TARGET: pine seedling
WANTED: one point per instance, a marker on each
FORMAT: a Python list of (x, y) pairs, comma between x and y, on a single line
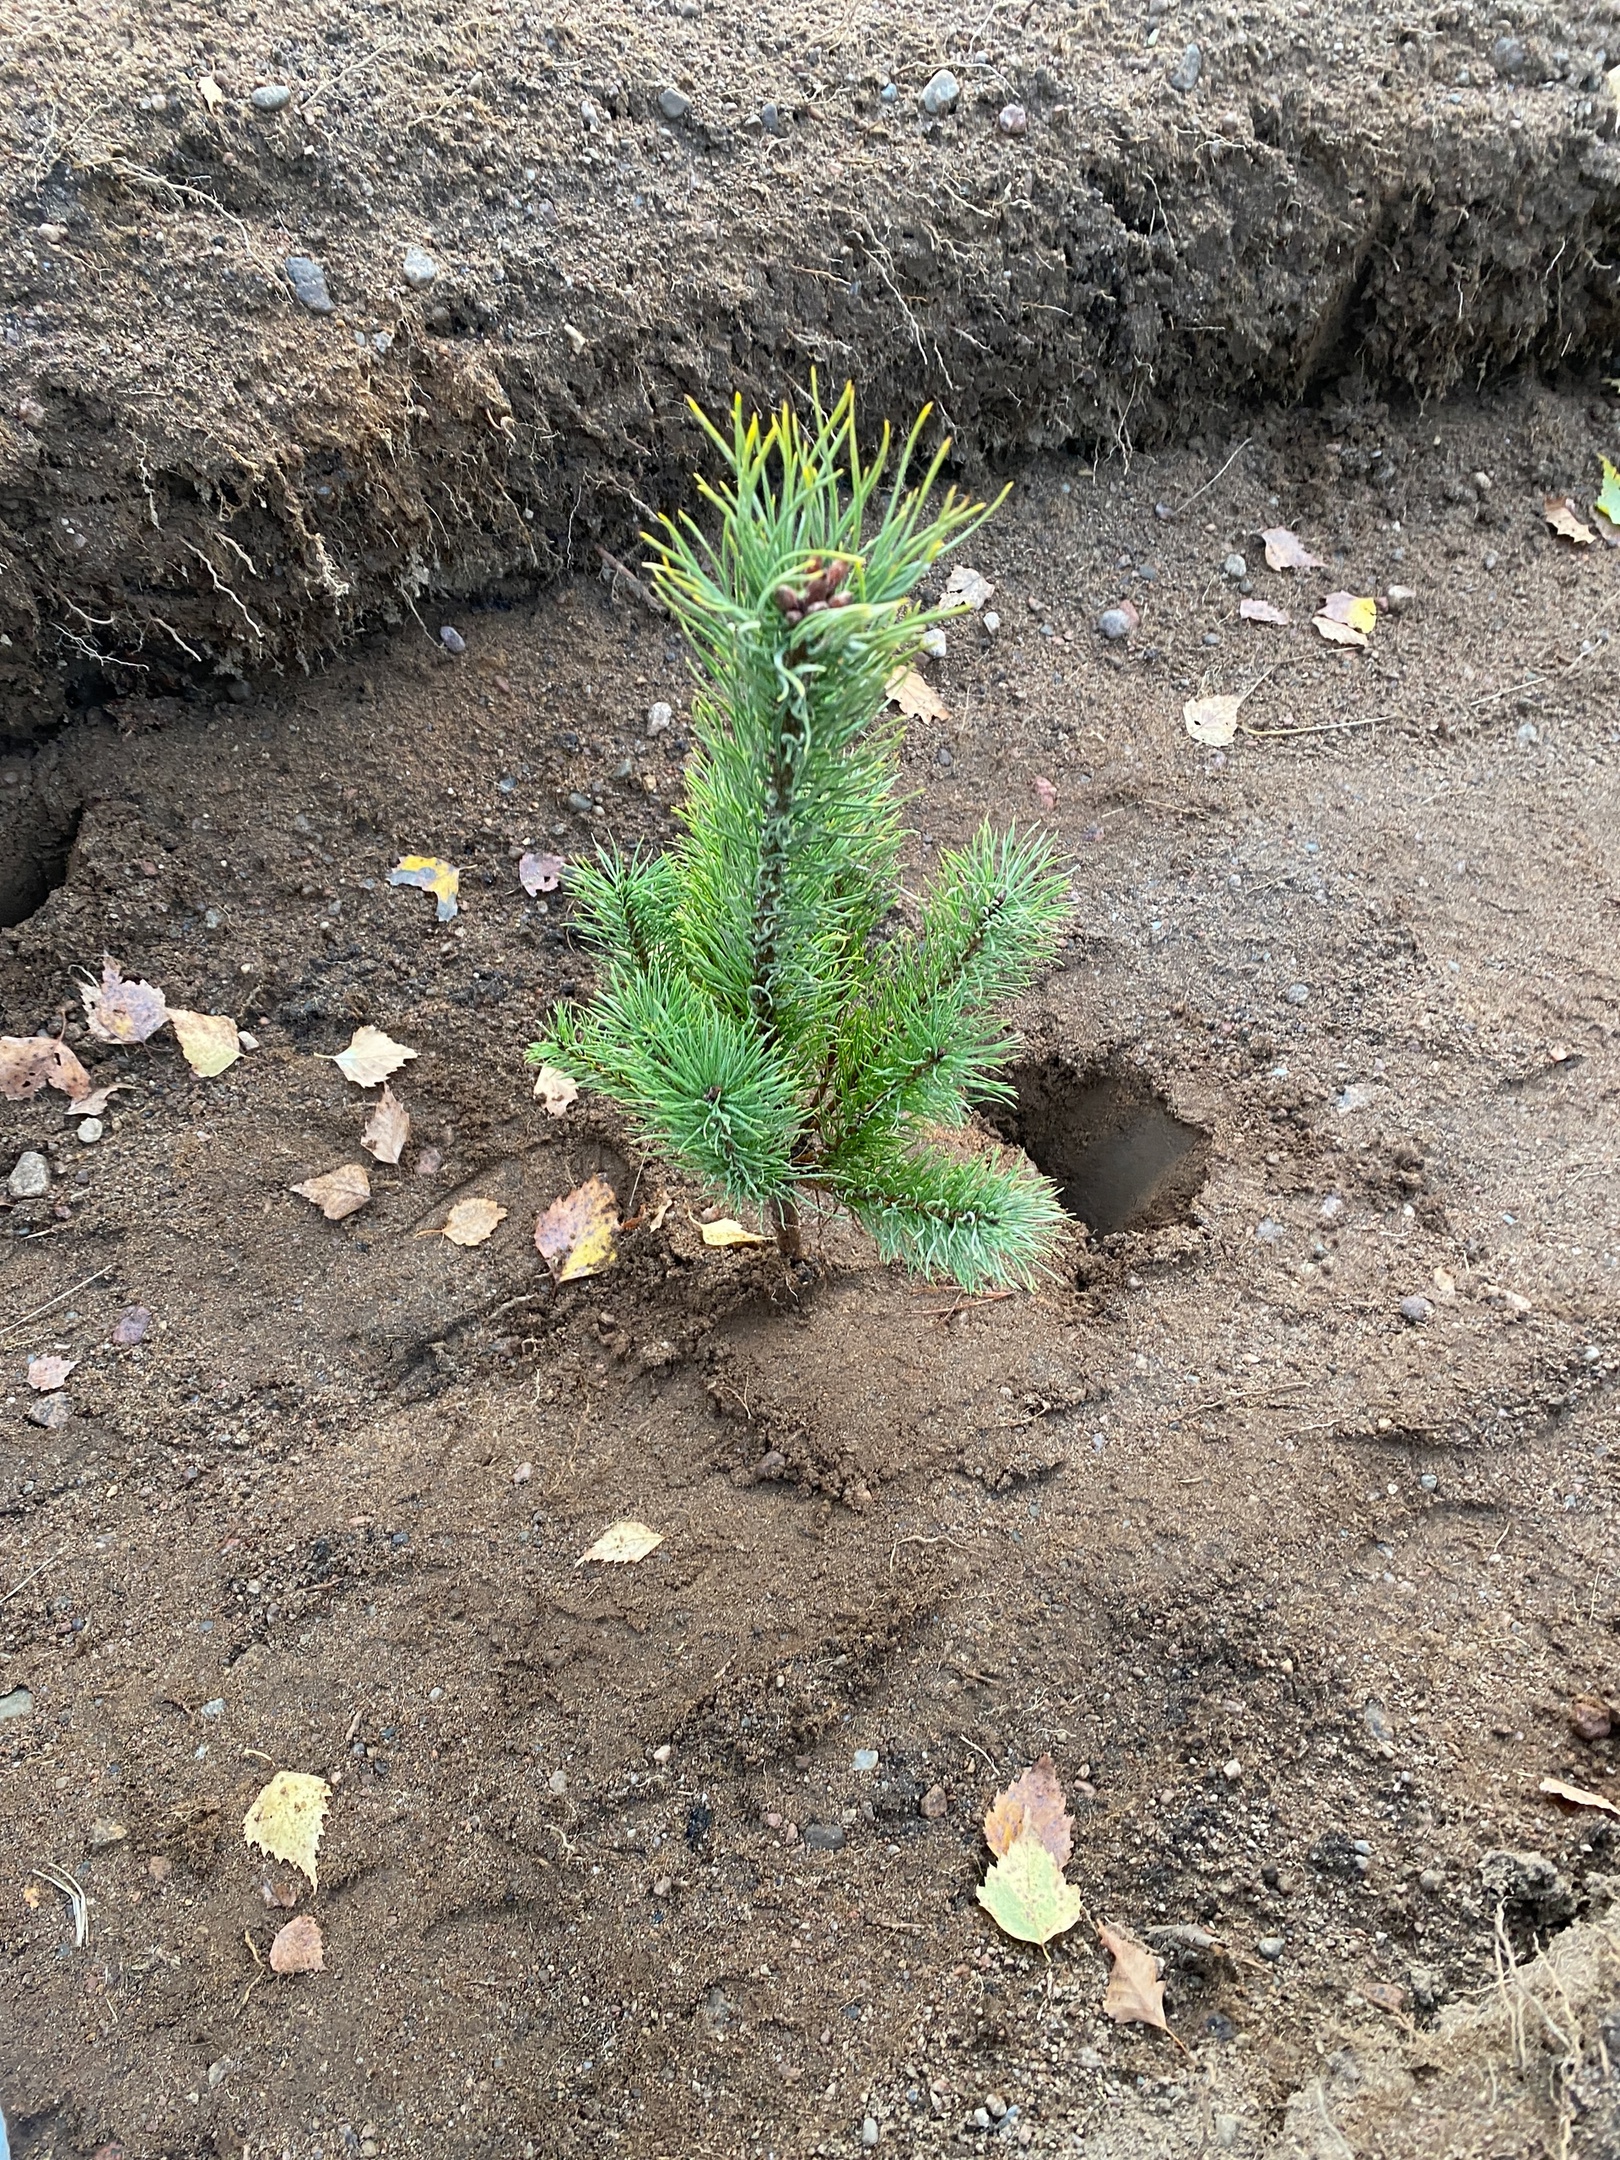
[(764, 1015)]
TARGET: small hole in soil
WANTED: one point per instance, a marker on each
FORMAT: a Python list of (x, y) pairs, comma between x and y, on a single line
[(34, 851), (1120, 1158)]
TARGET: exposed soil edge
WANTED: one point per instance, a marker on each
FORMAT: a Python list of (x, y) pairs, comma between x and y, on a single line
[(1140, 280)]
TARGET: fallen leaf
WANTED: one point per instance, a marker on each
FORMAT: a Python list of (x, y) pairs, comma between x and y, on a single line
[(48, 1373), (1561, 515), (121, 1012), (1285, 551), (212, 95), (433, 875), (621, 1543), (555, 1089), (1211, 720), (133, 1327), (1338, 633), (31, 1062), (1607, 507), (388, 1128), (340, 1192), (208, 1041), (967, 588), (728, 1232), (1577, 1795), (469, 1222), (95, 1103), (1345, 618), (915, 698), (298, 1947), (1263, 611), (1135, 1993), (1025, 1893), (286, 1819), (575, 1235), (540, 873), (370, 1057), (1044, 792), (284, 1895), (1033, 1803)]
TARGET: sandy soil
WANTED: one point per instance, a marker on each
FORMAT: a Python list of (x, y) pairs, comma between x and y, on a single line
[(1297, 1592)]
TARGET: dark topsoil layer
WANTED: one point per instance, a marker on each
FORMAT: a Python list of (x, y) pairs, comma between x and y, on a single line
[(197, 473)]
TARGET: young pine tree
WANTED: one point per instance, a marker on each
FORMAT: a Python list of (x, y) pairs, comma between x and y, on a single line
[(761, 1015)]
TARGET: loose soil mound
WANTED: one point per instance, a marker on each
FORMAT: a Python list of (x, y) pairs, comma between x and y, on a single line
[(201, 476)]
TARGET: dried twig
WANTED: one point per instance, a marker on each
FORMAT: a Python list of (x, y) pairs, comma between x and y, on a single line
[(74, 1893)]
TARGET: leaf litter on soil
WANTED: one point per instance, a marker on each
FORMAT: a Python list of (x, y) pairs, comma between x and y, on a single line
[(574, 1236), (339, 1192), (433, 874), (555, 1089), (1286, 551), (1345, 618), (371, 1056), (31, 1062), (1030, 1832), (1263, 611), (1135, 1993), (540, 873), (470, 1222), (1032, 1802), (622, 1544), (1565, 520), (388, 1128), (967, 588), (117, 1011), (728, 1232), (209, 1042), (287, 1819), (916, 698)]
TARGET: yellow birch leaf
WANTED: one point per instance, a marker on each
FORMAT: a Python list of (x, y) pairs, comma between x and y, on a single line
[(433, 875), (340, 1192), (208, 1041), (727, 1232), (575, 1235), (287, 1818), (1211, 720), (1025, 1893), (621, 1543), (371, 1056), (915, 698), (469, 1222)]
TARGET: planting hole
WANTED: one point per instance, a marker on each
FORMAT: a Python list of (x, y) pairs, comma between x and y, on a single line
[(36, 840), (1119, 1157)]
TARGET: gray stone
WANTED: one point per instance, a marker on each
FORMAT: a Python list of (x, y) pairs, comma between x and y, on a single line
[(1528, 1879), (51, 1412), (940, 94), (1400, 598), (270, 97), (1013, 120), (1184, 75), (659, 718), (581, 804), (31, 1179), (90, 1130), (420, 269), (869, 2132), (890, 93), (451, 638), (1510, 57), (866, 1758), (308, 281), (674, 104), (1429, 1481), (1379, 1729), (1299, 993), (824, 1837), (1235, 567), (1114, 624), (1271, 1947), (1415, 1310), (19, 1703), (771, 120), (1432, 1879)]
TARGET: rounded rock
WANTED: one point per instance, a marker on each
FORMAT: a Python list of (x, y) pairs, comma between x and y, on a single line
[(1184, 75), (420, 269), (940, 94), (451, 638), (90, 1130), (991, 621), (270, 97), (31, 1179), (1114, 624), (1235, 567), (890, 93), (770, 119), (933, 643), (869, 2132), (1299, 993), (1415, 1310), (824, 1837), (1271, 1947), (659, 718), (674, 104), (1013, 120), (308, 281)]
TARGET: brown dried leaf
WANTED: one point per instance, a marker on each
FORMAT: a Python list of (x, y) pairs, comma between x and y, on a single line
[(470, 1222), (915, 698), (1135, 1993), (1351, 611), (298, 1947), (340, 1192), (1263, 611), (1577, 1795), (371, 1056), (1285, 551), (1032, 1802), (388, 1128), (575, 1235), (967, 588), (94, 1104), (48, 1373), (208, 1041), (621, 1544), (31, 1062), (1562, 516), (555, 1089), (121, 1012), (540, 873)]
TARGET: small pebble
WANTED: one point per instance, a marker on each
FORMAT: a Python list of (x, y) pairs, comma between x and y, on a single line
[(674, 104), (1235, 567), (1269, 1232), (1271, 1947), (1378, 1725), (216, 1708), (659, 718), (451, 639), (1526, 734), (270, 97), (1400, 598), (53, 236), (51, 1412), (90, 1130), (31, 1179), (1232, 1771), (866, 1758), (770, 119), (1432, 1879), (824, 1837), (933, 643), (890, 93), (580, 804), (1429, 1482), (420, 269), (308, 281), (869, 2132), (1114, 624), (1184, 75), (1331, 1209), (991, 621), (1415, 1310), (522, 1474), (1013, 120), (933, 1803), (1299, 993), (662, 1753), (1510, 56), (940, 94)]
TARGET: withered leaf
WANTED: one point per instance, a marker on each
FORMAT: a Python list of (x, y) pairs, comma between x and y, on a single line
[(31, 1062), (1286, 551), (1025, 1893), (388, 1128), (339, 1192), (48, 1373), (1345, 618), (915, 698), (1212, 720), (621, 1544), (575, 1235), (371, 1056), (1032, 1802), (1562, 516), (967, 588), (1135, 1993), (1577, 1795), (1263, 611), (434, 875), (93, 1104), (726, 1232), (538, 873), (287, 1819), (208, 1041), (117, 1011), (298, 1947), (555, 1089), (470, 1222)]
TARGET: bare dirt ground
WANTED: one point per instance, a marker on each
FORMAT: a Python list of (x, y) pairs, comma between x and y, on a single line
[(1298, 1592)]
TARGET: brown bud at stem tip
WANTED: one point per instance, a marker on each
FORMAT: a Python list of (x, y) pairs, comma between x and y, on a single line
[(787, 599)]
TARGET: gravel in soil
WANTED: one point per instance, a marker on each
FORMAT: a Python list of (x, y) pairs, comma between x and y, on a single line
[(1298, 1585)]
